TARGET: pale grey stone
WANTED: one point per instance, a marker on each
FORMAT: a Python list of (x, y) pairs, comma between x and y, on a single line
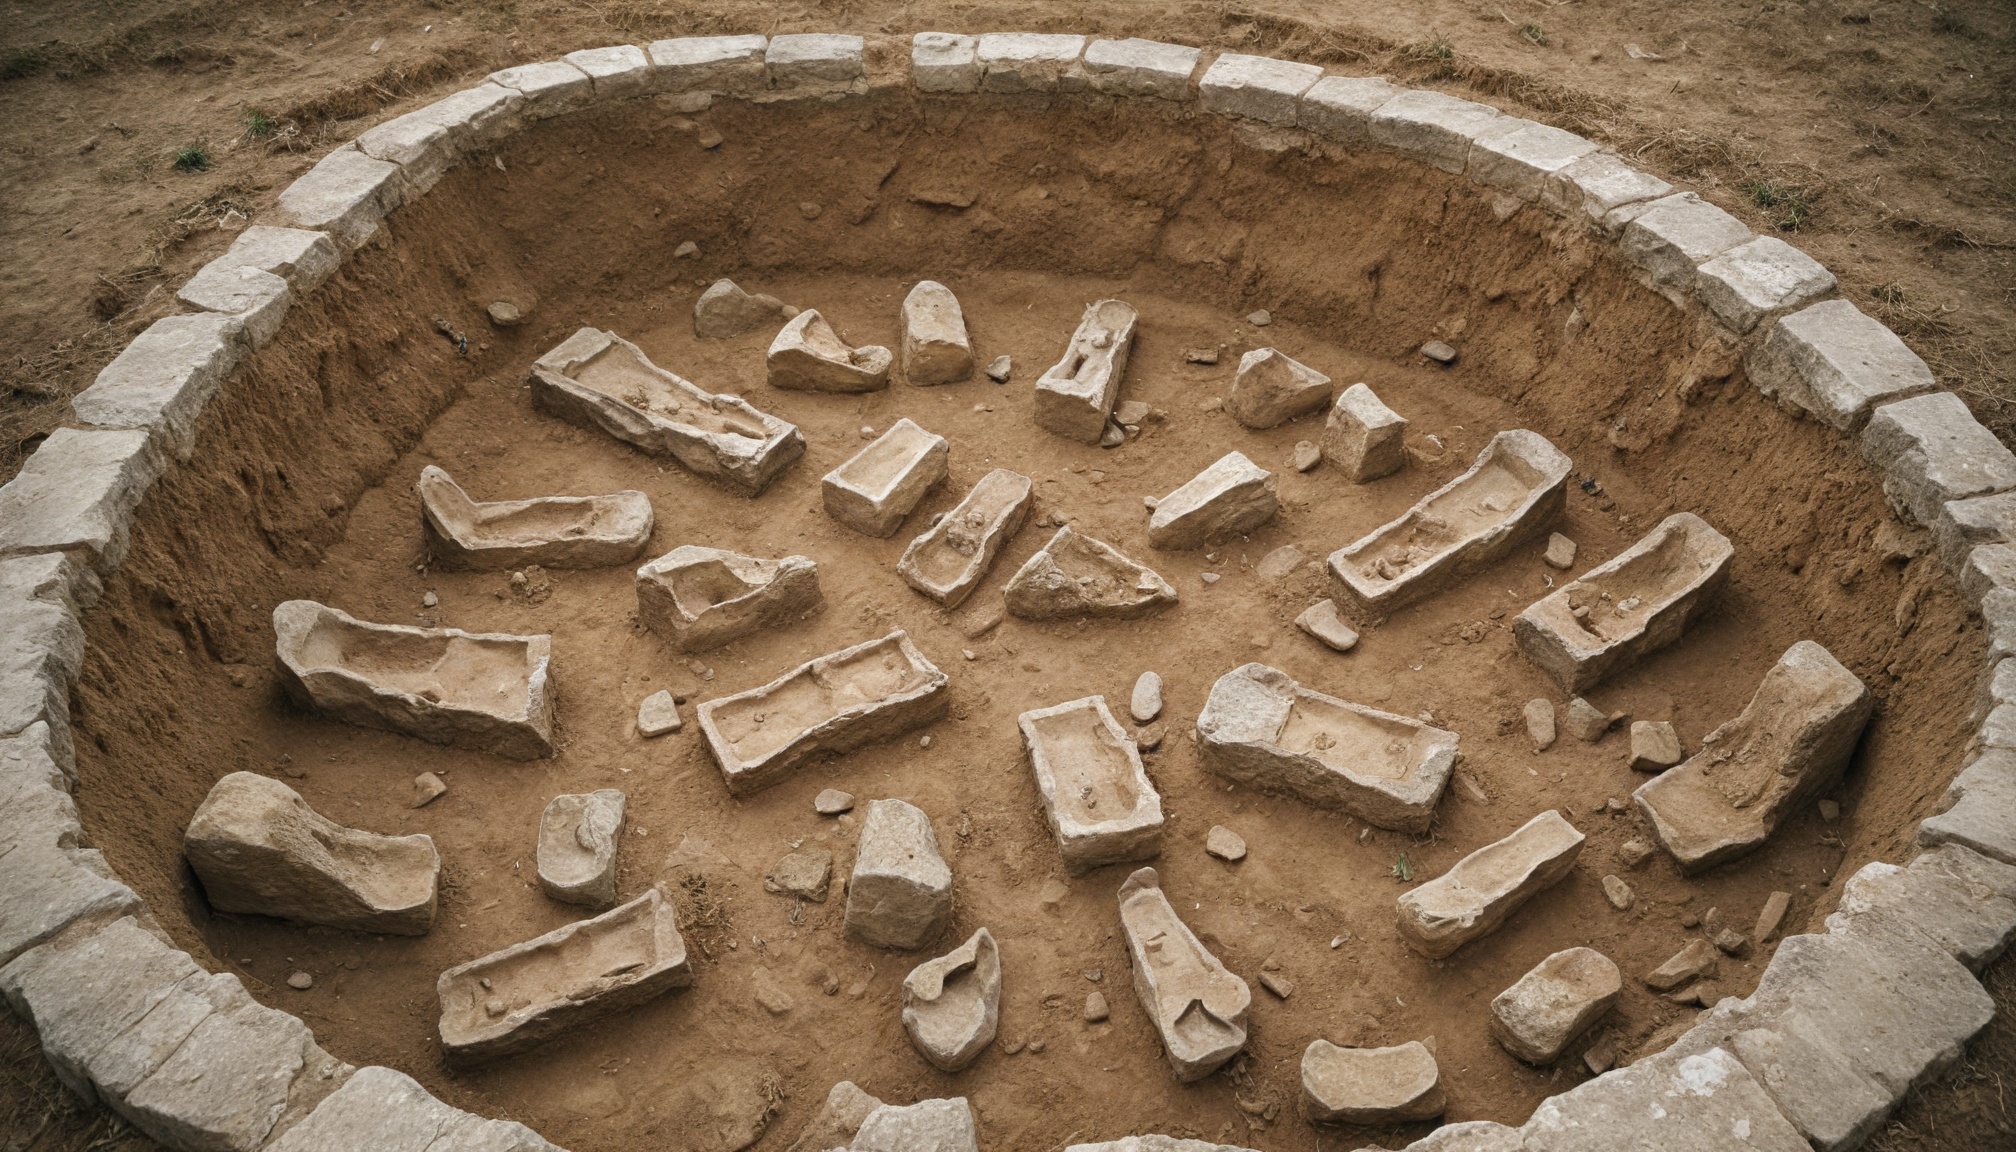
[(1225, 844), (1231, 497), (1588, 723), (345, 194), (1030, 62), (1560, 552), (952, 1004), (1474, 897), (806, 874), (839, 1117), (1703, 1102), (698, 599), (1520, 159), (724, 310), (386, 1111), (1397, 1085), (1320, 621), (1758, 279), (1280, 564), (809, 356), (1966, 524), (1964, 901), (815, 61), (1540, 1015), (1837, 363), (618, 71), (161, 381), (549, 87), (1931, 450), (878, 486), (945, 62), (1145, 702), (426, 142), (1136, 67), (302, 258), (935, 348), (1256, 87), (1540, 726), (832, 802), (51, 880), (78, 492), (1196, 1005), (550, 531), (1979, 809), (658, 715), (1655, 746), (1595, 187), (229, 1082), (732, 64), (900, 892), (42, 647), (926, 1126), (1340, 108), (1363, 437), (252, 301), (1074, 397), (949, 560), (1097, 797), (1673, 236), (1436, 128), (1076, 575), (578, 835), (1272, 388), (1988, 567), (1155, 1144)]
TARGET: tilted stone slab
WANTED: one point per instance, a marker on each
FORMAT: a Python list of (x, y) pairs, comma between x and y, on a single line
[(618, 71), (1930, 450), (1540, 1015), (550, 531), (952, 1004), (1622, 611), (1474, 897), (1362, 437), (1074, 397), (1272, 388), (697, 599), (1136, 67), (524, 995), (948, 562), (603, 382), (1256, 87), (1396, 1085), (345, 194), (1520, 159), (1197, 1006), (926, 1126), (878, 486), (577, 847), (1979, 809), (1230, 498), (1596, 187), (936, 349), (259, 848), (386, 1111), (1834, 361), (427, 141), (1759, 279), (1433, 127), (807, 355), (1340, 108), (487, 692), (1963, 901), (1101, 806), (161, 382), (78, 492), (835, 703), (1704, 1102), (252, 300), (730, 64), (1516, 490), (1261, 728), (549, 88), (1789, 745), (900, 892), (51, 880), (1030, 62), (945, 62), (1671, 237), (1075, 575), (815, 62)]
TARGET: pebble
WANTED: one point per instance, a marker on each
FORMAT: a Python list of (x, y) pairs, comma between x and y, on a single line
[(969, 654), (1634, 852), (709, 138), (1731, 942), (867, 432), (1277, 984), (1321, 621), (832, 802), (1224, 843), (1209, 577), (1113, 436), (657, 715), (1131, 412), (1095, 1007), (505, 314), (1037, 1046), (429, 600), (1307, 456), (1213, 404), (1588, 723), (923, 741), (999, 370), (427, 788), (300, 981), (1260, 318), (1539, 715), (1618, 893), (1696, 959), (686, 248), (1560, 552), (1830, 811), (1151, 502), (1602, 1055), (1281, 563), (1201, 355), (1150, 738), (1439, 352), (1146, 703)]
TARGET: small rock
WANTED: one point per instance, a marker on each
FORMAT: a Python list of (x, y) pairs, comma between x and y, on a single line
[(1829, 811), (1772, 917), (1560, 552), (1113, 436), (1618, 893), (1371, 1085), (1632, 853), (924, 741), (1279, 564), (1212, 404), (709, 139), (1731, 942), (1557, 1001), (1150, 738), (578, 839), (427, 788), (1439, 352), (999, 370), (1655, 746), (1601, 1056), (1131, 412), (1307, 456), (1146, 703), (1095, 1007), (1616, 805), (1037, 1046), (657, 715), (300, 981), (1540, 723), (1321, 621), (952, 1004), (1151, 502), (686, 248), (1224, 843), (1278, 984), (1209, 577), (1690, 920), (769, 993), (725, 310), (1201, 355), (832, 802), (900, 893), (1588, 723), (809, 209), (867, 432), (430, 600), (1696, 959), (1260, 318), (505, 314), (804, 874)]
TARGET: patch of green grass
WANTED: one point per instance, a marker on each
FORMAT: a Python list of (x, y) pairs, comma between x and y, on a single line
[(192, 158), (23, 63), (1535, 33), (258, 124), (1437, 49), (1786, 205), (1403, 870)]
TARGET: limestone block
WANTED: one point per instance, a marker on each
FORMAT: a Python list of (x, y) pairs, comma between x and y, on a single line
[(230, 1081), (1673, 236), (1363, 437), (1595, 187), (1789, 745), (302, 258), (1985, 569), (947, 562), (1521, 159), (1101, 806), (1075, 575), (1622, 611), (945, 62), (1979, 809), (1538, 1017), (162, 380), (51, 880), (698, 599), (1759, 279), (832, 704), (815, 61), (427, 141), (1837, 363), (1433, 127), (1030, 62), (345, 194), (603, 382), (550, 531), (1136, 67), (808, 356), (926, 1126), (1930, 450), (78, 492), (878, 486), (387, 1111), (724, 311), (839, 1117), (42, 647), (1230, 498), (259, 848), (487, 692), (1964, 901), (1256, 87), (252, 301), (1197, 1006), (1261, 728), (1271, 388), (935, 347), (900, 892), (1397, 1085), (1965, 525), (952, 1005), (1705, 1102), (1341, 107), (1074, 397), (577, 847), (1516, 490), (1475, 896), (618, 71), (549, 87), (733, 64)]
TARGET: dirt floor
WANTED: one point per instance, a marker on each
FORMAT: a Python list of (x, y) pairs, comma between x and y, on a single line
[(335, 423)]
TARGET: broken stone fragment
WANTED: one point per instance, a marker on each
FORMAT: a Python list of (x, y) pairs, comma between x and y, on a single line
[(874, 691), (1231, 497), (1260, 727), (1474, 897), (1321, 621), (808, 356), (1632, 853), (1618, 893), (1076, 575), (1306, 456), (1557, 1001), (725, 310), (1280, 564), (926, 1126), (1197, 1006), (1588, 723), (577, 847), (832, 802), (1539, 716), (952, 1005), (1697, 959), (947, 562), (1790, 743), (697, 599), (1225, 844), (1272, 388), (1620, 612), (481, 691), (576, 974), (427, 788), (1095, 1008), (1396, 1085), (1074, 397), (900, 893), (878, 486), (1145, 704), (657, 715), (1731, 942), (999, 369), (258, 848), (1655, 746), (839, 1117), (1098, 800), (935, 347), (550, 531), (1772, 916), (1363, 437), (803, 875), (1560, 552)]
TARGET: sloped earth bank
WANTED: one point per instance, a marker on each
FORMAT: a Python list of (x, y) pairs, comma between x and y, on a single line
[(308, 493)]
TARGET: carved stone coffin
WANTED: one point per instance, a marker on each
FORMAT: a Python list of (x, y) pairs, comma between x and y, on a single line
[(1074, 397), (698, 599), (1474, 897), (949, 561), (1075, 575), (550, 531), (1198, 1007), (1100, 803), (878, 486)]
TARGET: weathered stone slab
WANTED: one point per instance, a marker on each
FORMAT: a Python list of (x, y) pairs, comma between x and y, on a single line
[(50, 880), (1436, 128), (1136, 67), (1516, 490), (1397, 1085), (949, 561), (697, 599), (1930, 450), (808, 356), (577, 847), (900, 892), (226, 1086), (1256, 87), (1074, 397), (77, 492), (835, 703), (1597, 185), (1671, 237), (550, 531), (618, 71), (487, 692), (1705, 1102), (1758, 279), (345, 194), (1030, 62), (1965, 525), (1475, 896), (926, 1126), (732, 64), (1618, 613), (259, 848), (252, 302), (839, 1117), (1964, 901), (1230, 498), (302, 258), (945, 62), (1522, 156), (725, 311), (1341, 107), (1155, 1144), (1364, 438), (42, 647), (549, 87), (603, 382), (1272, 388), (1789, 745), (806, 874), (809, 62), (878, 486), (427, 141), (1198, 1007), (526, 994), (1979, 809), (1075, 575), (1100, 803), (1538, 1017), (935, 347), (952, 1005), (1260, 727), (387, 1111)]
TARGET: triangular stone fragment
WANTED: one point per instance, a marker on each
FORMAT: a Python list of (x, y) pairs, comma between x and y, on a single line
[(808, 356), (1076, 575), (952, 1005)]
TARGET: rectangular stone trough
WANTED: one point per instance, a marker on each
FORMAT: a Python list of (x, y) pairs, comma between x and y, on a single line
[(1074, 397), (1260, 727), (697, 598), (550, 531), (601, 381), (1622, 611), (835, 703), (879, 485), (1515, 490), (487, 692), (576, 974), (950, 560), (1100, 803), (1473, 898)]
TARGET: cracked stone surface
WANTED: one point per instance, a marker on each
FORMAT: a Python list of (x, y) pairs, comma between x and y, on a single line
[(952, 1004), (900, 893), (577, 847)]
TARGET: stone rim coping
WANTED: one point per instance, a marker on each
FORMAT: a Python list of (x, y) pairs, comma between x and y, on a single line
[(65, 519)]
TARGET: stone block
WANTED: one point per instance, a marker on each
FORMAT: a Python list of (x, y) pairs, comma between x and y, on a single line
[(1986, 568), (1836, 362), (1963, 901), (161, 381), (900, 892), (815, 61), (1271, 388), (1704, 1102), (1758, 279), (926, 1126), (1196, 1005), (550, 531), (1340, 108), (697, 599), (878, 486), (1967, 524), (1596, 187), (577, 847), (226, 1085), (252, 302), (1397, 1085), (945, 62), (1433, 127), (618, 71), (42, 647), (947, 562), (1520, 159), (1136, 67), (302, 258), (1540, 1015), (1979, 809), (730, 64), (1076, 575), (387, 1111), (1230, 498), (1256, 87), (426, 142), (1931, 450), (934, 342), (1364, 438), (808, 356), (549, 88), (952, 1004), (51, 880), (78, 492), (1474, 897), (839, 1117), (1101, 806), (1074, 397), (1671, 237), (345, 194), (1030, 62)]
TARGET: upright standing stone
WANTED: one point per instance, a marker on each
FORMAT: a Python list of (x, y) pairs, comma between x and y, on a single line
[(952, 1005), (577, 847), (900, 895), (1196, 1005), (1363, 437), (1272, 388), (935, 347), (1557, 1001), (1475, 897), (1396, 1085), (1074, 397)]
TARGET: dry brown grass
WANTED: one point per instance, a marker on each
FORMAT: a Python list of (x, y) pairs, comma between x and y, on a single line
[(38, 1114)]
